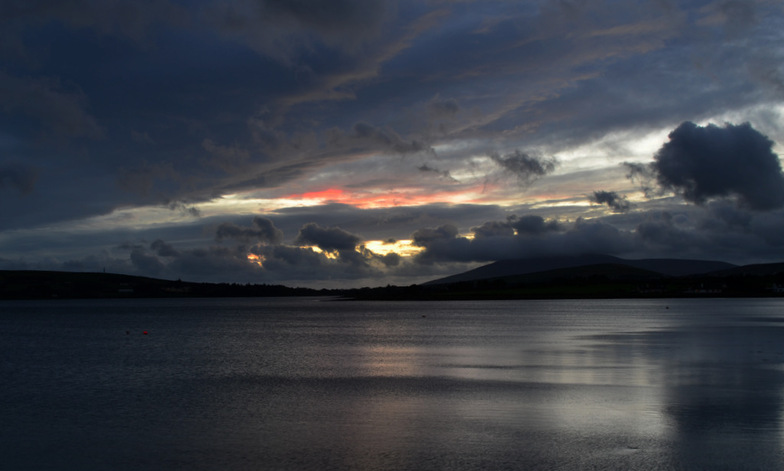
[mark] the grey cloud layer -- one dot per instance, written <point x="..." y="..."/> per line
<point x="327" y="238"/>
<point x="263" y="231"/>
<point x="120" y="104"/>
<point x="716" y="230"/>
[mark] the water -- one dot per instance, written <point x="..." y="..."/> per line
<point x="318" y="384"/>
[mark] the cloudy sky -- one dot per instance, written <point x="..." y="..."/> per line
<point x="331" y="143"/>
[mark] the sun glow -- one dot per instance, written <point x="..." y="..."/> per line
<point x="404" y="248"/>
<point x="376" y="199"/>
<point x="256" y="259"/>
<point x="329" y="254"/>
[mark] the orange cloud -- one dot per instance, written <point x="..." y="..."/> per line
<point x="330" y="194"/>
<point x="257" y="259"/>
<point x="386" y="199"/>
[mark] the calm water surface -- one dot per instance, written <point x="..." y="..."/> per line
<point x="235" y="384"/>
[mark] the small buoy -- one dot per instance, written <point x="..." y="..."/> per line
<point x="145" y="332"/>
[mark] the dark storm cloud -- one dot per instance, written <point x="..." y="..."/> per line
<point x="494" y="229"/>
<point x="207" y="263"/>
<point x="427" y="236"/>
<point x="385" y="223"/>
<point x="771" y="231"/>
<point x="146" y="177"/>
<point x="718" y="231"/>
<point x="145" y="263"/>
<point x="305" y="264"/>
<point x="579" y="237"/>
<point x="17" y="176"/>
<point x="525" y="167"/>
<point x="127" y="245"/>
<point x="284" y="257"/>
<point x="391" y="259"/>
<point x="326" y="238"/>
<point x="613" y="200"/>
<point x="275" y="262"/>
<point x="262" y="231"/>
<point x="227" y="158"/>
<point x="592" y="236"/>
<point x="707" y="162"/>
<point x="266" y="136"/>
<point x="272" y="176"/>
<point x="663" y="230"/>
<point x="213" y="263"/>
<point x="367" y="136"/>
<point x="531" y="224"/>
<point x="62" y="112"/>
<point x="442" y="108"/>
<point x="334" y="17"/>
<point x="730" y="215"/>
<point x="162" y="249"/>
<point x="287" y="29"/>
<point x="127" y="19"/>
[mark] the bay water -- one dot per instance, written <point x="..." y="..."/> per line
<point x="318" y="383"/>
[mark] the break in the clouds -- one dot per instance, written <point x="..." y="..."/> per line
<point x="290" y="141"/>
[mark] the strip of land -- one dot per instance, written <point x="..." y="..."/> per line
<point x="553" y="278"/>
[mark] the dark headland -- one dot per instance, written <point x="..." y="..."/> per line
<point x="583" y="276"/>
<point x="32" y="284"/>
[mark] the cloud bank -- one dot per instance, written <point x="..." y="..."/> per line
<point x="707" y="162"/>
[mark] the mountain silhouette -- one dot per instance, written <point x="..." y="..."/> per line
<point x="517" y="267"/>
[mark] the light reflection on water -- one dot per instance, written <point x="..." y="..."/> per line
<point x="301" y="384"/>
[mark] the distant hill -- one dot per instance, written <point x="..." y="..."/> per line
<point x="579" y="278"/>
<point x="583" y="277"/>
<point x="516" y="267"/>
<point x="605" y="271"/>
<point x="763" y="269"/>
<point x="33" y="284"/>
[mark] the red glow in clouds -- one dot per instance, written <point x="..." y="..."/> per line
<point x="330" y="194"/>
<point x="386" y="199"/>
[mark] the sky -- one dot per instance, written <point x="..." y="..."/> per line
<point x="348" y="143"/>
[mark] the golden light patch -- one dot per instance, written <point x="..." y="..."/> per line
<point x="257" y="259"/>
<point x="404" y="248"/>
<point x="330" y="255"/>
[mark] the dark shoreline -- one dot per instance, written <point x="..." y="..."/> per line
<point x="76" y="285"/>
